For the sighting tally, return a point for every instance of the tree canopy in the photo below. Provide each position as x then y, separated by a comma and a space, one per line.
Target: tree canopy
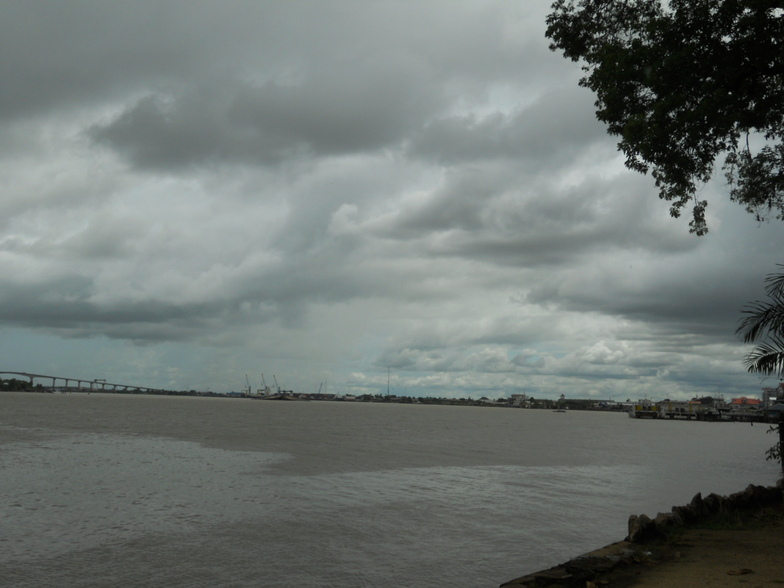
682, 82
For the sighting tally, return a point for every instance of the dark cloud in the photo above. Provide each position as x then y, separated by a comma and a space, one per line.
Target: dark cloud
674, 297
353, 109
69, 55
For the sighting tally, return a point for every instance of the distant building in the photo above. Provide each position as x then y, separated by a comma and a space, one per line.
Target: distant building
745, 403
770, 395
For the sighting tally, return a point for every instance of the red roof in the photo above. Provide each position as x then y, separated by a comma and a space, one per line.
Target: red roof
744, 400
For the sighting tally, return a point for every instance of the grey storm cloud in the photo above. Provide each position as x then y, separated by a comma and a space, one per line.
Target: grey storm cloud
334, 189
272, 122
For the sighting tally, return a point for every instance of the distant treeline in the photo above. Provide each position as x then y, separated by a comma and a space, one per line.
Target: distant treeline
14, 385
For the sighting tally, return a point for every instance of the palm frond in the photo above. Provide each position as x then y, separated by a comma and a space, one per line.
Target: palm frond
767, 358
775, 284
761, 318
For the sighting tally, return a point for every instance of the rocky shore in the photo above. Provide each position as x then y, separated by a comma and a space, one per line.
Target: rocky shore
685, 546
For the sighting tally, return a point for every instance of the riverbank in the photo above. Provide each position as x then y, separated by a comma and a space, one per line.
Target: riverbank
717, 542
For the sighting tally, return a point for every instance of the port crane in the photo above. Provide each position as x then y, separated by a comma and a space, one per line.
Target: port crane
264, 388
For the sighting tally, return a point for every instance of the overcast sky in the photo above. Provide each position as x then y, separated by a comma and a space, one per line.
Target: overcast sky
334, 191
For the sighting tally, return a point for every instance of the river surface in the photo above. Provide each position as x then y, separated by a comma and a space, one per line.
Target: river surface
137, 491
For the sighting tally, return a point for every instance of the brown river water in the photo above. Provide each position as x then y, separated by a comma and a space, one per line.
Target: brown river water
123, 490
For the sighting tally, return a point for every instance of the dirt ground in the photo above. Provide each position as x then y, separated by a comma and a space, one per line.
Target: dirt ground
734, 550
739, 549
